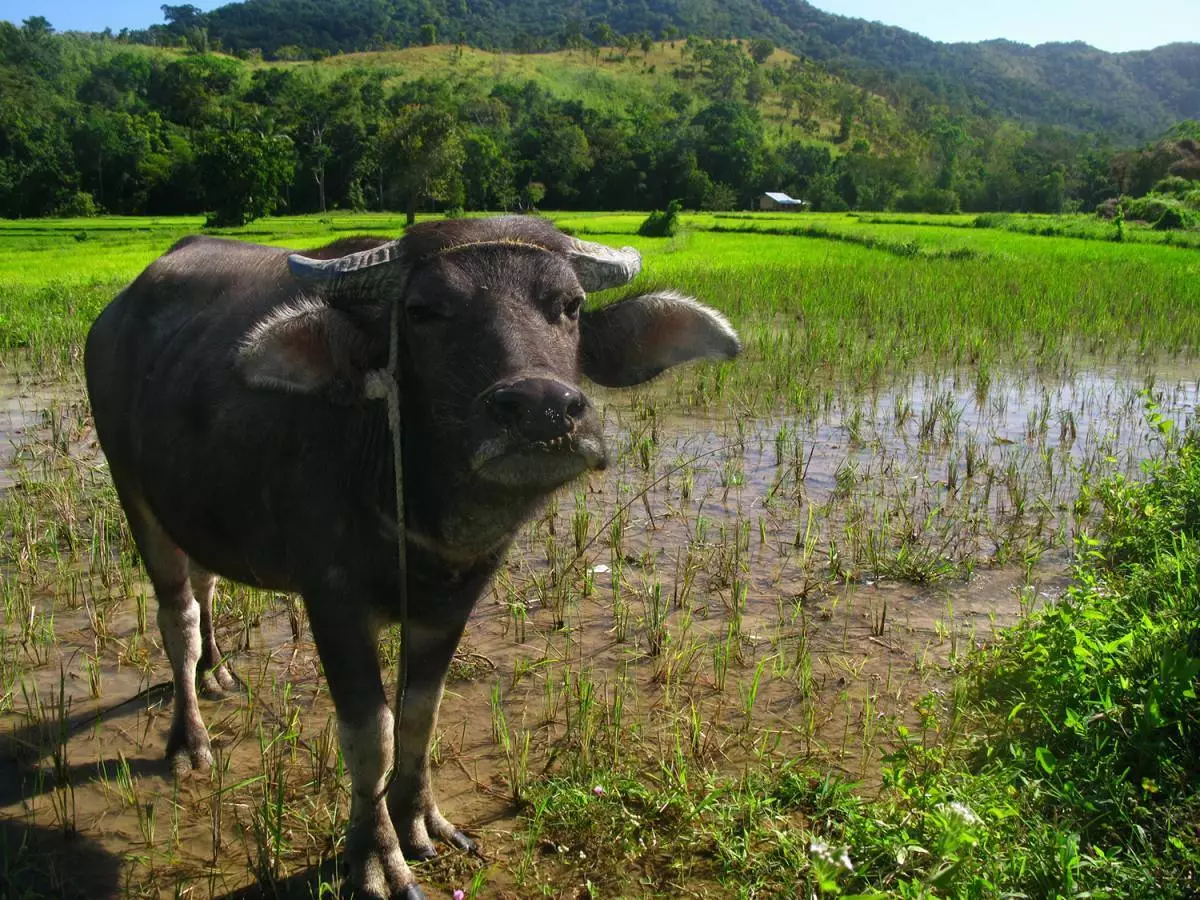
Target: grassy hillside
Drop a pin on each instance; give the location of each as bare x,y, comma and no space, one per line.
1132,95
610,78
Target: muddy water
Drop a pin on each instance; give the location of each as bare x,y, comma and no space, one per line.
792,586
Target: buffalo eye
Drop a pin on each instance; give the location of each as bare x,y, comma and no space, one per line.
423,314
571,307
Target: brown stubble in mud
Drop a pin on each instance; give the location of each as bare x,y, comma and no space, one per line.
731,590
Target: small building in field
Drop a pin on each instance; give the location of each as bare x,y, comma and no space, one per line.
780,202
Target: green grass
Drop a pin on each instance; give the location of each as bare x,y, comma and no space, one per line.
825,295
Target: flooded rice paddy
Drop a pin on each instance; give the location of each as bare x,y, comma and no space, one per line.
732,589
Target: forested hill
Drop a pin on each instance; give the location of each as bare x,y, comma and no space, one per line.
1126,95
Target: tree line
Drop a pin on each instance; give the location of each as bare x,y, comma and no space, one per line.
93,124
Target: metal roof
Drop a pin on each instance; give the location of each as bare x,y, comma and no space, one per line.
782,198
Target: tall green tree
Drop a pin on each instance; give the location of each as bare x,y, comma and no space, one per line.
423,155
730,144
245,172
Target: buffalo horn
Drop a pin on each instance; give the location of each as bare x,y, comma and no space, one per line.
599,267
327,269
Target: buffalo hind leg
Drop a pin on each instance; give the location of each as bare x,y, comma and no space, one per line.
188,744
411,801
347,647
214,675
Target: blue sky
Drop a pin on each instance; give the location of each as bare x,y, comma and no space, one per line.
1108,24
1114,25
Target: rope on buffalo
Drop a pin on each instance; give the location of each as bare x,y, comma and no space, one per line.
384,384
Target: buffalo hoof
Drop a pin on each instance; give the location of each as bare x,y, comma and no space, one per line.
461,841
219,683
423,851
419,852
373,857
188,747
417,839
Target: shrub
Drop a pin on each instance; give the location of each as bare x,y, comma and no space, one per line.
992,220
77,205
1174,185
930,200
1174,218
720,197
662,224
1149,208
1109,208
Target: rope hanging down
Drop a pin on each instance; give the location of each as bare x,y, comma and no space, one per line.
384,384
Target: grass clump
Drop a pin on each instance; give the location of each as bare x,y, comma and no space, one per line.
664,223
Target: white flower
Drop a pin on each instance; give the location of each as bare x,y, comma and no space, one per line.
821,851
956,810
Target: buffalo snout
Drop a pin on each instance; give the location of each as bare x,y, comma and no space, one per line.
539,410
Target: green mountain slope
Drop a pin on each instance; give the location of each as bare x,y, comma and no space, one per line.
1128,95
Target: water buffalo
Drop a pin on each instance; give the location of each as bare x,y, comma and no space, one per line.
228,388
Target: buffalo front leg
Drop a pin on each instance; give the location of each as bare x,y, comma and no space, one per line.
347,646
411,801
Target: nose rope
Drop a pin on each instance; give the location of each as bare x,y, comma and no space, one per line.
384,384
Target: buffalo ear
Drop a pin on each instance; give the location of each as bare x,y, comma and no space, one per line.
633,340
304,347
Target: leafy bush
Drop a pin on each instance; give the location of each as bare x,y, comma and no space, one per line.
1149,208
77,205
247,172
1174,218
1174,185
1103,684
930,200
662,224
720,197
992,220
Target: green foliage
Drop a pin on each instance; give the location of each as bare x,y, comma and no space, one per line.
1155,207
1103,683
930,200
248,170
1175,218
422,155
132,127
761,50
77,205
662,224
1175,185
1132,95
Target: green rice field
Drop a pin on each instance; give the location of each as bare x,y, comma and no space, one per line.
902,602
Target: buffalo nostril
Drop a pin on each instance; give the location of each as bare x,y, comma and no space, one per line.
507,406
575,405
